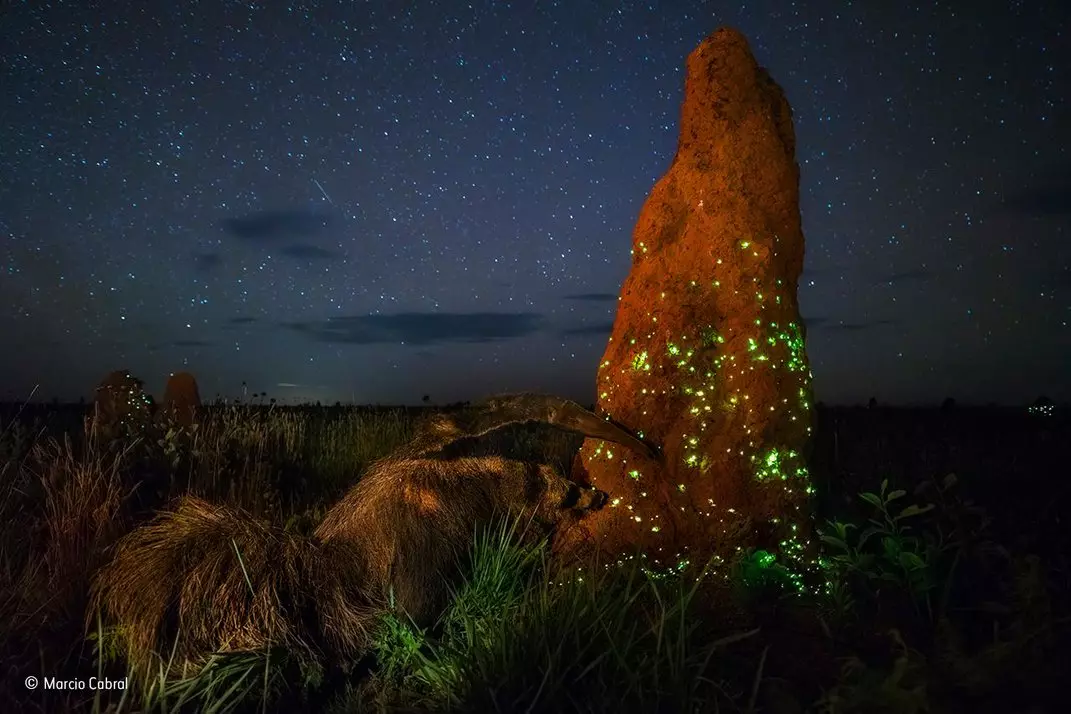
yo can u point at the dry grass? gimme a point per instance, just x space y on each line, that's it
257 480
203 578
66 497
76 515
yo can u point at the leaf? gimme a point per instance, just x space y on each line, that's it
873 499
843 528
949 481
864 558
898 493
835 542
911 561
867 535
914 509
884 486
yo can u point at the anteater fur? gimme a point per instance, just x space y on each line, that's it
206 578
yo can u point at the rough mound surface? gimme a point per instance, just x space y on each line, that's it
182 399
120 405
707 353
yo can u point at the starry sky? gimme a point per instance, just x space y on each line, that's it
377 201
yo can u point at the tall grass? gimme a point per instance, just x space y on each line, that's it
65 498
926 612
253 457
517 638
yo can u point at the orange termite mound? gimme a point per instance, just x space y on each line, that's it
182 399
120 404
706 356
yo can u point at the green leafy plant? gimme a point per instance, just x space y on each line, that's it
757 574
886 551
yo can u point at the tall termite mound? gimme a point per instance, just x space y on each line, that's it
121 405
706 356
182 399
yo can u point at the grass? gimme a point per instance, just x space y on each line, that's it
516 640
930 604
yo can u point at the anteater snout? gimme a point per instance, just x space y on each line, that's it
591 499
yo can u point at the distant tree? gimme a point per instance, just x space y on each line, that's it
338 404
948 404
872 404
426 399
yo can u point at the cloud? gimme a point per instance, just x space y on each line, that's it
812 323
206 262
419 328
841 326
305 251
906 276
1042 201
180 343
268 226
821 273
830 325
1049 197
601 329
592 297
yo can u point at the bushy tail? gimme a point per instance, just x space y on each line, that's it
207 578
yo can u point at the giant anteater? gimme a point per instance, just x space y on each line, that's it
206 578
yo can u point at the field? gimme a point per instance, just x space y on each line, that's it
945 536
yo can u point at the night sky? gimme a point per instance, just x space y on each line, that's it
374 201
